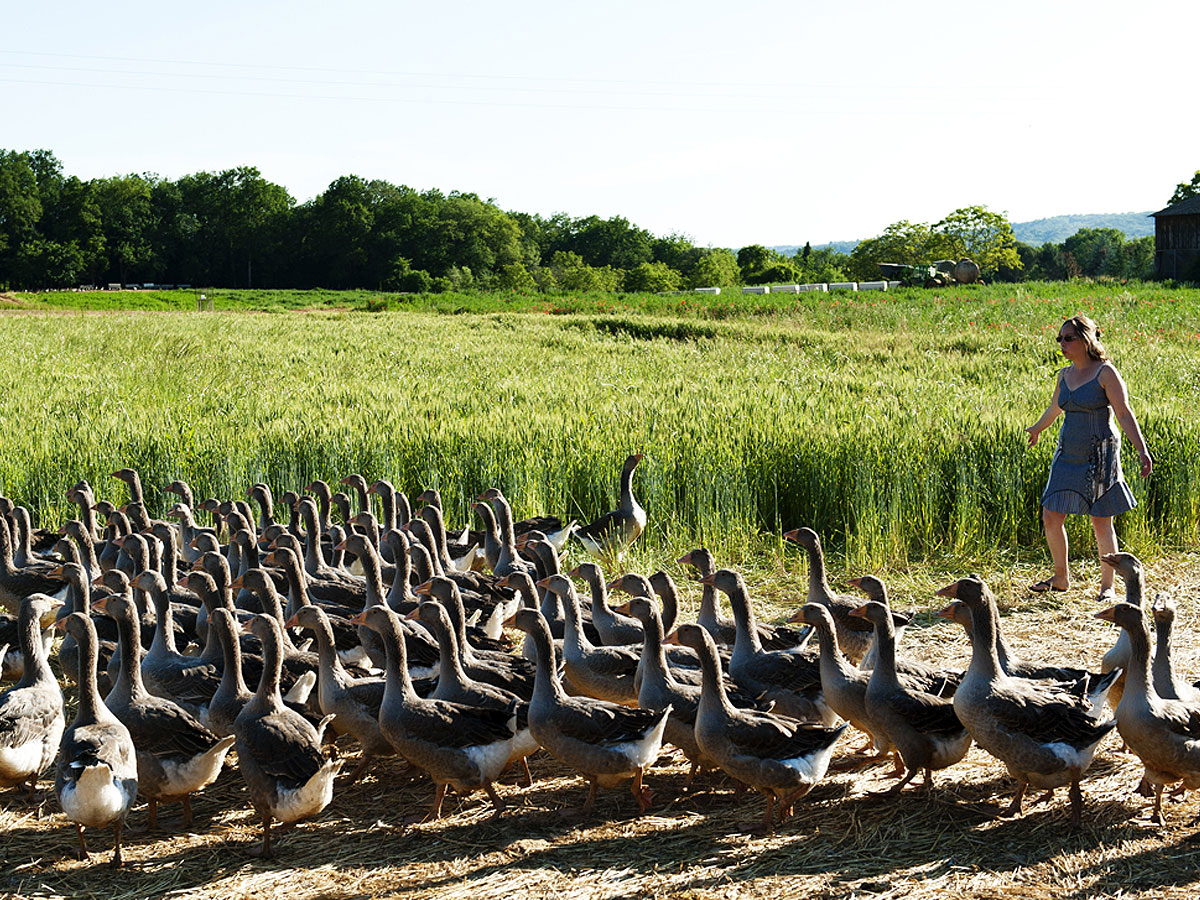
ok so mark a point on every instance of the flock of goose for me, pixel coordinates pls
(391, 631)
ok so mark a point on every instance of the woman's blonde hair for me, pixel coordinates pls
(1089, 333)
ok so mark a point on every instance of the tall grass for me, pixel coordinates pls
(894, 429)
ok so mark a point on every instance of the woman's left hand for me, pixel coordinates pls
(1147, 465)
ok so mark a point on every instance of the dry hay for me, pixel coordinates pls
(841, 842)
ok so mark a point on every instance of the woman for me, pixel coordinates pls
(1085, 474)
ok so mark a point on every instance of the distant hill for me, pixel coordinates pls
(1055, 229)
(839, 246)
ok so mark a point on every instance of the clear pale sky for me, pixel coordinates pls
(732, 123)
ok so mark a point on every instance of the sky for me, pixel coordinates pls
(731, 123)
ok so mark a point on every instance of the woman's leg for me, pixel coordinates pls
(1106, 542)
(1056, 539)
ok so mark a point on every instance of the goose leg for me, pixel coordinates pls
(187, 812)
(643, 795)
(1076, 794)
(588, 806)
(1014, 808)
(359, 769)
(83, 851)
(898, 787)
(152, 825)
(435, 811)
(497, 801)
(116, 858)
(527, 781)
(263, 849)
(1157, 816)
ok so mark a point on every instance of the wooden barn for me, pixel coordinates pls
(1177, 240)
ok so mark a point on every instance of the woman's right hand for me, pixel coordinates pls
(1034, 433)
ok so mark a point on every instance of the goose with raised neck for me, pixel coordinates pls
(96, 773)
(779, 757)
(606, 742)
(278, 750)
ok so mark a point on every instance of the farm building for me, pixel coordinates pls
(1177, 240)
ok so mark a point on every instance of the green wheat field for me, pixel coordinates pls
(891, 423)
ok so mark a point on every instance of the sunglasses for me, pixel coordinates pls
(1067, 338)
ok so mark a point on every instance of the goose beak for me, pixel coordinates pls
(793, 535)
(797, 617)
(615, 584)
(946, 612)
(1108, 615)
(414, 615)
(685, 560)
(293, 621)
(710, 580)
(237, 584)
(181, 584)
(855, 582)
(950, 590)
(504, 582)
(574, 573)
(360, 619)
(673, 639)
(425, 588)
(859, 612)
(341, 546)
(622, 608)
(544, 584)
(101, 605)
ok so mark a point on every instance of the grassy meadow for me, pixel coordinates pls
(891, 423)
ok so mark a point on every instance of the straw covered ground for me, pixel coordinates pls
(841, 842)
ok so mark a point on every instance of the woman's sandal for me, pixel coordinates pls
(1047, 584)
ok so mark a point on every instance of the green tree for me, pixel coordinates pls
(982, 235)
(903, 242)
(129, 226)
(824, 265)
(573, 274)
(1185, 190)
(653, 277)
(20, 211)
(715, 268)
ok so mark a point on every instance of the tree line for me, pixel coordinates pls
(236, 229)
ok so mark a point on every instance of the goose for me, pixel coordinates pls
(353, 702)
(1044, 736)
(916, 674)
(844, 685)
(495, 667)
(1129, 567)
(167, 672)
(1076, 681)
(279, 751)
(603, 673)
(791, 678)
(614, 531)
(614, 628)
(18, 582)
(1164, 733)
(95, 776)
(31, 711)
(606, 742)
(922, 726)
(461, 746)
(176, 755)
(455, 685)
(1166, 685)
(778, 756)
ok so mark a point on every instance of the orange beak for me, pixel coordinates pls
(710, 580)
(425, 588)
(859, 612)
(950, 590)
(792, 535)
(947, 612)
(360, 619)
(856, 582)
(1108, 615)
